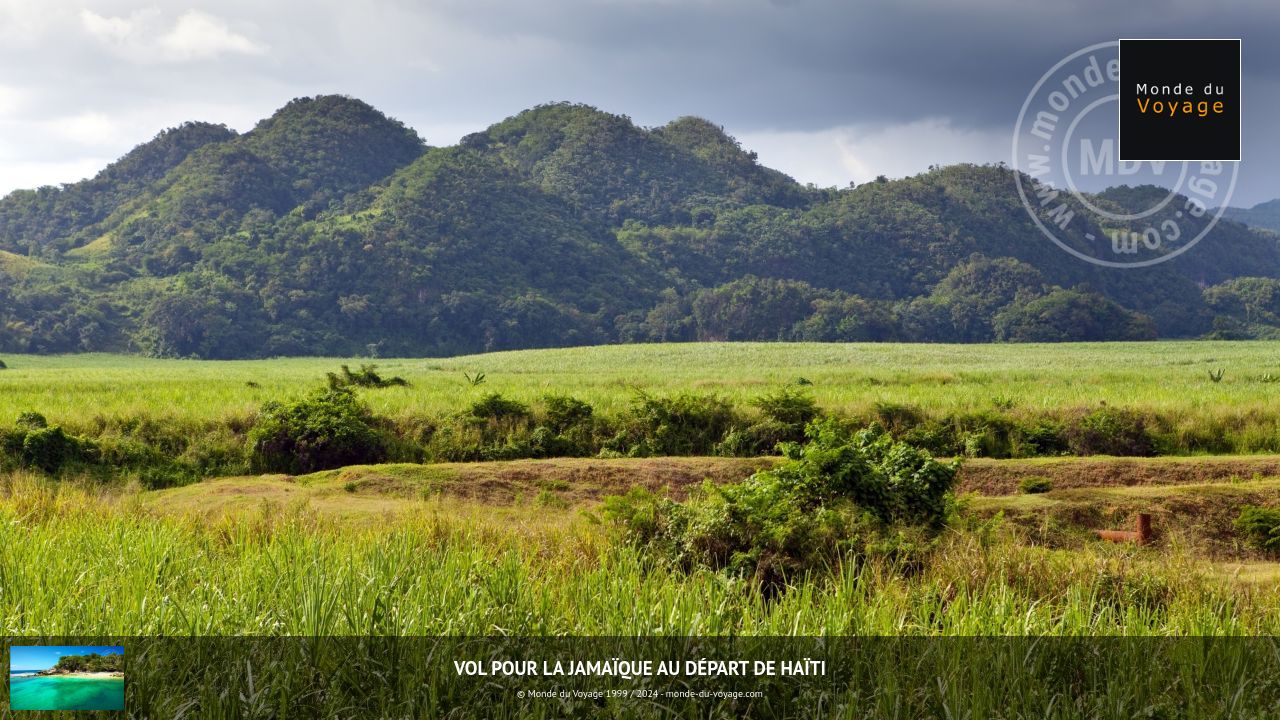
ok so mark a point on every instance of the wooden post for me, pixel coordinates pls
(1144, 528)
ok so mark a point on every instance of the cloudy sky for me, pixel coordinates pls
(829, 91)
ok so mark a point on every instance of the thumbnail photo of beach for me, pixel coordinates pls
(66, 677)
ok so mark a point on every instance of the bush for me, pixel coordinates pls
(1260, 527)
(1109, 431)
(565, 413)
(789, 407)
(11, 446)
(898, 417)
(3, 366)
(1035, 484)
(786, 413)
(761, 438)
(838, 493)
(684, 424)
(32, 420)
(1043, 436)
(985, 434)
(495, 407)
(50, 448)
(366, 377)
(33, 443)
(328, 429)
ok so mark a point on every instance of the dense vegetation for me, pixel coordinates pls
(331, 229)
(171, 422)
(839, 494)
(92, 662)
(527, 571)
(1263, 215)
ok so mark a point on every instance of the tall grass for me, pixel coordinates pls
(198, 411)
(1165, 376)
(76, 562)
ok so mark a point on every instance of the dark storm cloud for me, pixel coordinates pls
(83, 81)
(810, 65)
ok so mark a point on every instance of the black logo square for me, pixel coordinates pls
(1179, 100)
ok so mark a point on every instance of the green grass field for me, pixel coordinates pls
(1171, 377)
(77, 561)
(519, 547)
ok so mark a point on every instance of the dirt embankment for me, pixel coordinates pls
(588, 479)
(1001, 477)
(577, 480)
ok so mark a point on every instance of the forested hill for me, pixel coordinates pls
(1264, 215)
(331, 229)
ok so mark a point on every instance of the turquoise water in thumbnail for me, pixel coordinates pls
(65, 693)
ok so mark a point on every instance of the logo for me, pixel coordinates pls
(1101, 209)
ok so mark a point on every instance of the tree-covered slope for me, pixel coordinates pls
(608, 168)
(31, 220)
(331, 229)
(1263, 215)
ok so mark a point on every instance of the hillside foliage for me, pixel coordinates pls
(331, 229)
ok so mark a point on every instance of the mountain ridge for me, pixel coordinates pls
(330, 228)
(1264, 215)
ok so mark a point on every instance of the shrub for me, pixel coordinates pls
(1043, 436)
(788, 406)
(1109, 431)
(565, 413)
(1035, 484)
(49, 448)
(1260, 527)
(760, 438)
(32, 420)
(898, 417)
(11, 446)
(366, 376)
(495, 407)
(328, 429)
(837, 493)
(785, 415)
(984, 434)
(543, 442)
(684, 424)
(3, 366)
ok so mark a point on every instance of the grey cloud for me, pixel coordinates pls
(753, 65)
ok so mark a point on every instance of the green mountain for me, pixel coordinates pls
(31, 220)
(1264, 215)
(331, 229)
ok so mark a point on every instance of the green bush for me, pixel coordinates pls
(366, 377)
(495, 407)
(761, 438)
(840, 492)
(1042, 436)
(785, 413)
(11, 446)
(898, 417)
(32, 420)
(985, 434)
(1035, 484)
(50, 448)
(1109, 431)
(789, 407)
(328, 429)
(565, 413)
(684, 424)
(1260, 527)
